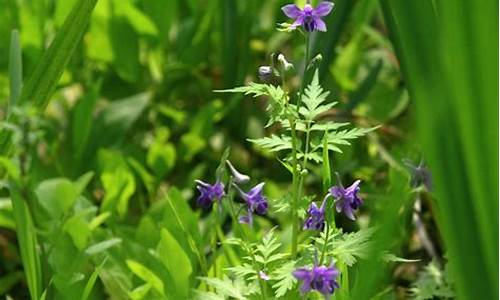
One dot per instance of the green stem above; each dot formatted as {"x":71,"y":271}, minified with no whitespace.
{"x":296,"y":180}
{"x":296,"y":189}
{"x":306,"y":63}
{"x":323,"y":251}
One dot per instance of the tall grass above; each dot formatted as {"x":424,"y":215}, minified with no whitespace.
{"x":448,"y":53}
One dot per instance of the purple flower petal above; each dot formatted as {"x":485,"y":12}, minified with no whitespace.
{"x":263,"y":276}
{"x":319,"y":24}
{"x":209,"y":193}
{"x":323,"y":9}
{"x":292,"y":11}
{"x":298,"y":22}
{"x":256,"y":189}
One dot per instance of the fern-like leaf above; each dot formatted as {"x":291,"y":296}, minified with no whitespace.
{"x":313,"y":100}
{"x":284,"y":278}
{"x":273,"y":143}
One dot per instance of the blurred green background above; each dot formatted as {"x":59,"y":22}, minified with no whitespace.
{"x":135,"y":106}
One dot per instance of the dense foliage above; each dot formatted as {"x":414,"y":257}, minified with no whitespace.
{"x":135,"y":134}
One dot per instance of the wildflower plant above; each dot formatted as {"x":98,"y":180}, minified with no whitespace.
{"x":305,"y":140}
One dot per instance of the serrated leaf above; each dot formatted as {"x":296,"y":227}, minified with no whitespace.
{"x":227,"y":287}
{"x":432,"y":283}
{"x":341,"y":137}
{"x":347,"y":247}
{"x":285,"y":280}
{"x":351,"y":246}
{"x":313,"y":99}
{"x":273,"y":143}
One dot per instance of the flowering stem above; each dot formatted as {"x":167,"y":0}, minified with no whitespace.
{"x":244,"y":236}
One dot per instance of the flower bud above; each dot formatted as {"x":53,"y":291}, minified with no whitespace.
{"x":265,"y":73}
{"x":284,"y":63}
{"x":238,"y":177}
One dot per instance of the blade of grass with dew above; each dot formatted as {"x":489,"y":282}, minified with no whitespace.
{"x":448,"y":54}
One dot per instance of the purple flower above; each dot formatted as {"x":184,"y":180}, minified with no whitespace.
{"x":346,"y":199}
{"x":320,"y":278}
{"x":316,"y":218}
{"x":420,"y":175}
{"x":209,"y":193}
{"x":309,"y":17}
{"x":256,"y":202}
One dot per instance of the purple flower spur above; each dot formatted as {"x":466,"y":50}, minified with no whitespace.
{"x":320,"y":278}
{"x":346,"y":199}
{"x":209,"y":193}
{"x":309,"y":17}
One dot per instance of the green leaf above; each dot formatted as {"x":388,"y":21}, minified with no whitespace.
{"x":6,"y":214}
{"x":78,"y":228}
{"x":350,"y":246}
{"x":136,"y":18}
{"x":431,"y":284}
{"x":456,"y":109}
{"x":313,"y":99}
{"x":140,"y":292}
{"x":347,"y":247}
{"x":273,"y":143}
{"x":227,"y":287}
{"x":10,"y":280}
{"x":82,"y":119}
{"x":15,"y":69}
{"x":284,"y":278}
{"x":161,"y":157}
{"x":102,"y":246}
{"x":342,"y":137}
{"x":173,"y":257}
{"x":28,"y":245}
{"x":43,"y":81}
{"x":92,"y":280}
{"x":117,"y":180}
{"x":56,"y":196}
{"x":146,"y":274}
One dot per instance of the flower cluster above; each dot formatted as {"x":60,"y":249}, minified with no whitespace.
{"x":320,"y":278}
{"x":254,"y":199}
{"x":346,"y":201}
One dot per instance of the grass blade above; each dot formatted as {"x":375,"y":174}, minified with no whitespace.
{"x":15,"y":68}
{"x":27,"y":240}
{"x":42,"y":83}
